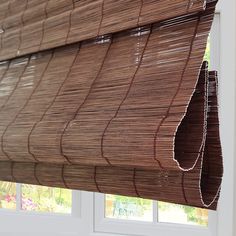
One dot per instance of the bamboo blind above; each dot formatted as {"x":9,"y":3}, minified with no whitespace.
{"x":35,"y":25}
{"x":123,"y":106}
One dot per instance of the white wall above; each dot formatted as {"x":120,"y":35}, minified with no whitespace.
{"x":26,"y":224}
{"x":227,"y":84}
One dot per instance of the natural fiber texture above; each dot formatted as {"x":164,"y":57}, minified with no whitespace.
{"x":129,"y":113}
{"x":28,"y":26}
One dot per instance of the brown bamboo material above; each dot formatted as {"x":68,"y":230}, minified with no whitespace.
{"x":31,"y":26}
{"x":130,"y":87}
{"x":198,"y":187}
{"x":131,"y":112}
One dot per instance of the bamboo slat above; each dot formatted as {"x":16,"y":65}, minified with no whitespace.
{"x":118,"y":101}
{"x":199,"y":187}
{"x":31,"y":26}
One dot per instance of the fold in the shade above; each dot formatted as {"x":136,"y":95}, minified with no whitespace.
{"x":197,"y":187}
{"x":33,"y":25}
{"x":132,"y":112}
{"x":112,"y":101}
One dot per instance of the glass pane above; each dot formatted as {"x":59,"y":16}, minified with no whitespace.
{"x":129,"y":208}
{"x":45,"y":199}
{"x":173,"y":213}
{"x":7,"y":195}
{"x":207,"y":52}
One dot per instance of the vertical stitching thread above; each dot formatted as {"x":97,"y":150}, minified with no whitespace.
{"x":5,"y":72}
{"x":178,"y":88}
{"x":140,"y":11}
{"x":35,"y":173}
{"x":134,"y":183}
{"x":182,"y":185}
{"x":17,"y":83}
{"x":6,"y":15}
{"x":11,"y":94}
{"x":21,"y":28}
{"x":43,"y":24}
{"x":78,"y":109}
{"x":102,"y":15}
{"x":12,"y":172}
{"x":123,"y":100}
{"x":62,"y":176}
{"x":189,"y":5}
{"x":2,"y":138}
{"x":69,"y":28}
{"x":52,"y":102}
{"x":95,"y":179}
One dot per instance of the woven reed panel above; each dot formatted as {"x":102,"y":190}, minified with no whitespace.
{"x":198,"y":187}
{"x":131,"y":112}
{"x":33,"y":25}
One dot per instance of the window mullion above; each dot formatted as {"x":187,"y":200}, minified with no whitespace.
{"x":18,"y":196}
{"x":155,"y":211}
{"x":76,"y":203}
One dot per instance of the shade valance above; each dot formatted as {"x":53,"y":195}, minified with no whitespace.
{"x":132,"y":111}
{"x":31,"y":26}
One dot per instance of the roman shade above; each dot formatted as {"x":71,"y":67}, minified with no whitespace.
{"x":35,"y":25}
{"x":110,"y":96}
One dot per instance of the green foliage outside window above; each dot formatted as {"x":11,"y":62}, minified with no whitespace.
{"x":7,"y":195}
{"x":207,"y":53}
{"x":46,"y":199}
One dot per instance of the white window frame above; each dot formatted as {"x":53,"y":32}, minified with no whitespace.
{"x":87,"y":218}
{"x":136,"y":227}
{"x":227,"y":73}
{"x":133,"y":227}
